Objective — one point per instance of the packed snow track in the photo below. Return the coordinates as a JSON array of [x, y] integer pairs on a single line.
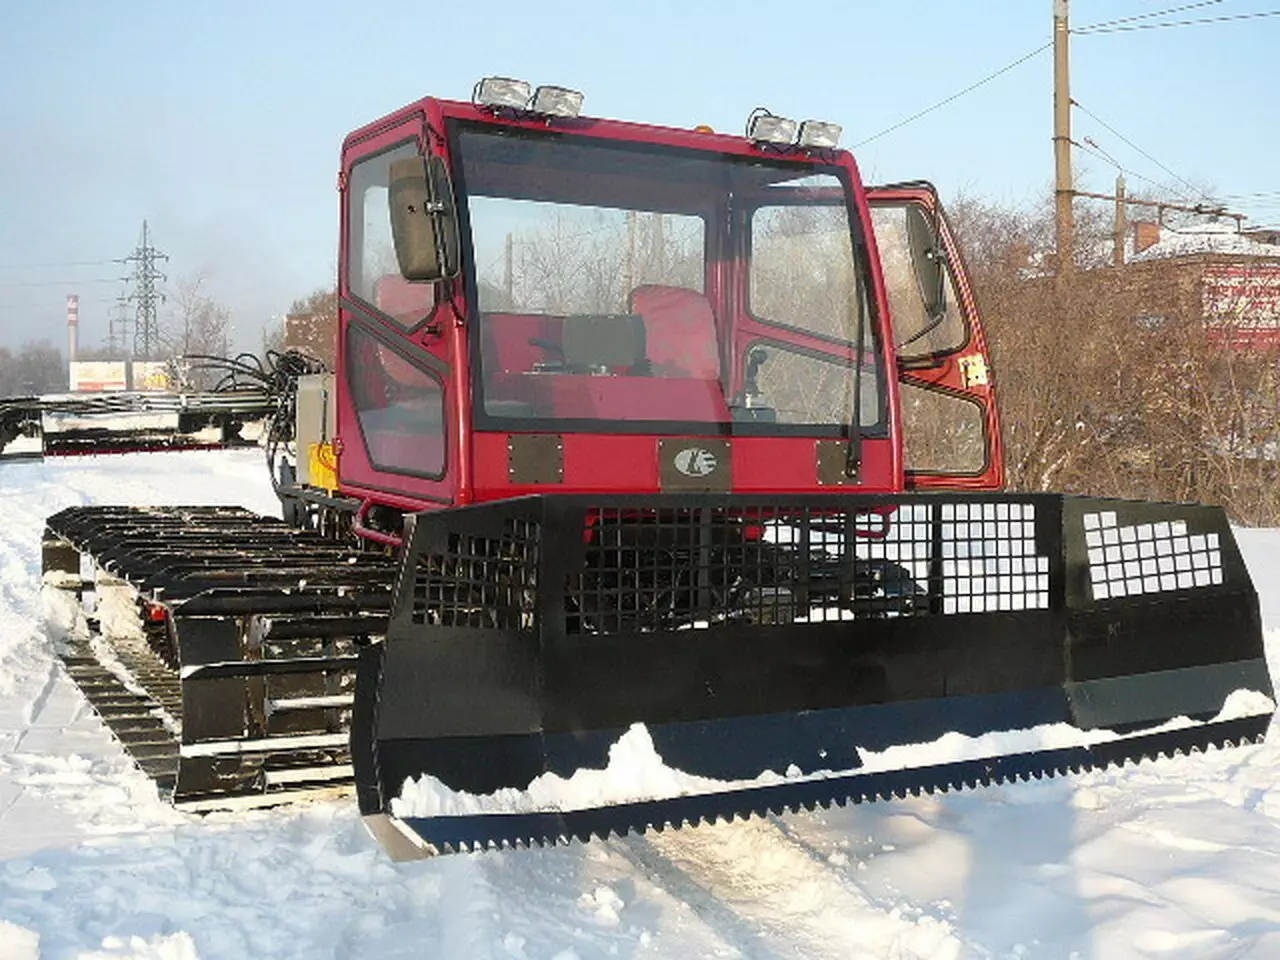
[[1176, 857]]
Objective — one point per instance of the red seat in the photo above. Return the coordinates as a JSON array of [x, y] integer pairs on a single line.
[[504, 340], [406, 302], [680, 331]]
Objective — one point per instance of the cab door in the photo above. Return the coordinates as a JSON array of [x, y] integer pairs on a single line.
[[949, 419], [397, 352]]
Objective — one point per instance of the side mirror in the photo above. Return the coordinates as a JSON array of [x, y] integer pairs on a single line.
[[927, 260], [413, 228], [424, 222]]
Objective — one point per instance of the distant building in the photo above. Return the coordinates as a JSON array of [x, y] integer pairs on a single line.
[[1228, 280]]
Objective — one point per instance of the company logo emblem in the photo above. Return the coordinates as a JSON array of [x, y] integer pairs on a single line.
[[695, 462]]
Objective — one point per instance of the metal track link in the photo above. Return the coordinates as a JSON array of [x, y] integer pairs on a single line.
[[143, 723], [237, 690]]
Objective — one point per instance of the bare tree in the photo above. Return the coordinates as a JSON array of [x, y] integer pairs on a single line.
[[38, 367], [311, 325], [590, 260], [200, 325], [273, 336], [1119, 382]]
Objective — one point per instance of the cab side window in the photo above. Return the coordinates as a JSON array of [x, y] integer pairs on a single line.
[[917, 334], [399, 404], [373, 274]]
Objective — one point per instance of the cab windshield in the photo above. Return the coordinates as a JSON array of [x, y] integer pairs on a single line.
[[624, 287]]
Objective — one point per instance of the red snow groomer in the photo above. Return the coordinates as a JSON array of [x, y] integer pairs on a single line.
[[662, 427]]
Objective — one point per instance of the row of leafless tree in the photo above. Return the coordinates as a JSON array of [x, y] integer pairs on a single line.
[[35, 368], [1113, 384], [193, 321]]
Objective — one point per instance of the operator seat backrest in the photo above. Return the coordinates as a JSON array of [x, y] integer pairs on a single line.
[[681, 331], [616, 342], [407, 302], [504, 340]]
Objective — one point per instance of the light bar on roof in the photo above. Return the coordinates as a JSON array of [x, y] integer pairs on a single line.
[[819, 133], [499, 92], [556, 102], [764, 127]]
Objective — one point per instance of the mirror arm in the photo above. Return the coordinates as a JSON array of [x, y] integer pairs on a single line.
[[924, 331], [928, 362]]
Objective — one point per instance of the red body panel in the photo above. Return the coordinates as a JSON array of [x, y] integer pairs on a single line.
[[595, 463]]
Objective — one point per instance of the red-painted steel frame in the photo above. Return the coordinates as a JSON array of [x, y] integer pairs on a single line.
[[476, 462]]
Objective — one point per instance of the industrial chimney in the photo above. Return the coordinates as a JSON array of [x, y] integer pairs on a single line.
[[73, 325]]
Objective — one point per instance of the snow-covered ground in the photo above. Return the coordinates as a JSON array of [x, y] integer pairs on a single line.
[[1178, 858]]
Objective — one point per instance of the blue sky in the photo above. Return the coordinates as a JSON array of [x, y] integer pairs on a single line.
[[220, 122]]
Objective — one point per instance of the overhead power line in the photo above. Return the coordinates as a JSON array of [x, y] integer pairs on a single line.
[[1088, 146], [1196, 191], [1147, 16], [56, 263], [1091, 146], [1175, 23], [1094, 147], [955, 96], [58, 283], [52, 305]]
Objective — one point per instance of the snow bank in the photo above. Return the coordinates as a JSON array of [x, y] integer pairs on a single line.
[[635, 772], [1219, 238]]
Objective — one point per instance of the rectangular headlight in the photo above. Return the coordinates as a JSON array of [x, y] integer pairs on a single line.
[[766, 128], [556, 102], [502, 92], [818, 133]]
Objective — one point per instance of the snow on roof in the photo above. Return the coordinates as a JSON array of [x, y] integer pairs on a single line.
[[1221, 238]]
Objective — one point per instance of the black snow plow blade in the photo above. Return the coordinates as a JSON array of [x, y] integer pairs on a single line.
[[780, 646]]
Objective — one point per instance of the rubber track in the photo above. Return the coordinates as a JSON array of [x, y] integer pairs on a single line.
[[223, 563], [455, 834]]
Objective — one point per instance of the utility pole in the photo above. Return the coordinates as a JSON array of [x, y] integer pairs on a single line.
[[1122, 222], [145, 296], [1062, 138]]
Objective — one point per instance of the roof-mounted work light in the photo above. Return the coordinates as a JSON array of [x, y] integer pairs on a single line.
[[502, 92], [764, 127], [819, 134], [556, 102]]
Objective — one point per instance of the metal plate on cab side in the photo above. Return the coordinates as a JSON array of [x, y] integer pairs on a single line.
[[695, 464], [833, 464], [535, 458]]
